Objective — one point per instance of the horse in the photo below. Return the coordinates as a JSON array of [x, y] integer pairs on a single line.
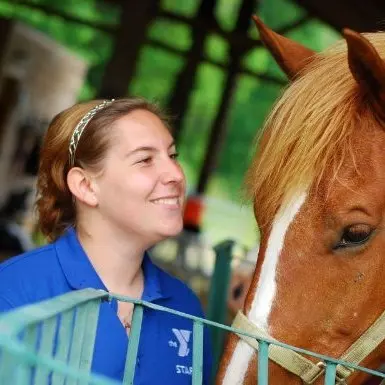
[[317, 182]]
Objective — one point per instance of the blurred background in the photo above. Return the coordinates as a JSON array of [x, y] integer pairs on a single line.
[[200, 59]]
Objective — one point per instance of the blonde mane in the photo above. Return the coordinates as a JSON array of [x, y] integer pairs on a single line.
[[309, 130]]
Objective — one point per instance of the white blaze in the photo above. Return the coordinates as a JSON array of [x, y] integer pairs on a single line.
[[264, 295], [265, 292], [239, 363]]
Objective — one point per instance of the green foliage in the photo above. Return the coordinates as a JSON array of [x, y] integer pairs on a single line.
[[279, 13], [182, 7], [226, 12], [216, 49], [155, 85], [88, 10], [204, 103], [178, 35], [252, 101], [315, 35]]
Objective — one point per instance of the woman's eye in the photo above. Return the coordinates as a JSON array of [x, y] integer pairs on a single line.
[[175, 155], [354, 235], [146, 160]]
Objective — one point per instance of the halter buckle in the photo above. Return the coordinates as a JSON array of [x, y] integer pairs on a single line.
[[339, 380], [341, 376], [315, 374]]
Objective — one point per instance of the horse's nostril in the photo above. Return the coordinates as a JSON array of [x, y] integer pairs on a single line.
[[238, 290]]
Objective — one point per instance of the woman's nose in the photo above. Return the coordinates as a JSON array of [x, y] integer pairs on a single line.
[[172, 172]]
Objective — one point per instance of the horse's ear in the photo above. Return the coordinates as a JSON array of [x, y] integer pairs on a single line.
[[367, 68], [290, 55]]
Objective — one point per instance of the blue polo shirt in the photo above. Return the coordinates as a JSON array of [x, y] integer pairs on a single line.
[[165, 347]]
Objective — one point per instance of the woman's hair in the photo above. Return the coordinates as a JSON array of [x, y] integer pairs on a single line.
[[55, 204]]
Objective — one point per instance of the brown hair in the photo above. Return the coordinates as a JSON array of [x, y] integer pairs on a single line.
[[55, 208]]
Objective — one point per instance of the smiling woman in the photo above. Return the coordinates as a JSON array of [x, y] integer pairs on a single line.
[[110, 187]]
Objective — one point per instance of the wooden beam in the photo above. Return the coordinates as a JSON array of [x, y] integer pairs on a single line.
[[10, 100], [223, 66], [219, 128], [362, 16], [5, 33], [233, 37], [184, 82], [136, 16]]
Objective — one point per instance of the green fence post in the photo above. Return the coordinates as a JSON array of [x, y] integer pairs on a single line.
[[263, 363], [219, 288], [330, 375], [133, 345], [197, 373]]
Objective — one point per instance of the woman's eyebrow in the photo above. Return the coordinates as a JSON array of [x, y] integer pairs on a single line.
[[140, 149], [147, 148]]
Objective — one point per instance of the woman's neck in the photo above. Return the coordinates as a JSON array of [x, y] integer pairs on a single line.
[[116, 259]]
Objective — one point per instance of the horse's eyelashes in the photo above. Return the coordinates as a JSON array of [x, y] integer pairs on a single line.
[[354, 235]]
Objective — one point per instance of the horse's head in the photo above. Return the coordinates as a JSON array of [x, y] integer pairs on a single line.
[[318, 186]]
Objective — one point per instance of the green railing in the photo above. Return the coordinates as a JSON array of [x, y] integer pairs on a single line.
[[28, 352], [53, 341]]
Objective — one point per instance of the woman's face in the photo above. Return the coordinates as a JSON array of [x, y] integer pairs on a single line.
[[141, 189]]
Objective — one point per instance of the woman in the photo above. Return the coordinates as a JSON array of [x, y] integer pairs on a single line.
[[110, 187]]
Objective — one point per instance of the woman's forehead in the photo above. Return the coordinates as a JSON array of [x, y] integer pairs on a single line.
[[141, 129]]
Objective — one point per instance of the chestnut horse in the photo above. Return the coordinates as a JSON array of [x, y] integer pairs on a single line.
[[318, 186]]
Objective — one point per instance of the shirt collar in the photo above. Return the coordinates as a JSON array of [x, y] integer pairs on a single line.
[[80, 273]]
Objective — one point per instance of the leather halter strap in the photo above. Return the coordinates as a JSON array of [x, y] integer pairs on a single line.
[[307, 370]]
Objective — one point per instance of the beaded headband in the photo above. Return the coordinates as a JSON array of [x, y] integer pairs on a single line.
[[81, 126]]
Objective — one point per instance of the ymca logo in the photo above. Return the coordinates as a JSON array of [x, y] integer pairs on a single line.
[[183, 338]]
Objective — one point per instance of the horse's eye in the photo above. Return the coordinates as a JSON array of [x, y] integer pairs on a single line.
[[354, 235]]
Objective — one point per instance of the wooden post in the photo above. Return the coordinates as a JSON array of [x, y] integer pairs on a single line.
[[9, 119], [185, 81], [5, 31], [130, 37], [219, 128]]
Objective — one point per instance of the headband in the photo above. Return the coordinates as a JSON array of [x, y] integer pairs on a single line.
[[78, 131]]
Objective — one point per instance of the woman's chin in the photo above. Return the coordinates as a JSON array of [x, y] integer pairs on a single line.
[[171, 230]]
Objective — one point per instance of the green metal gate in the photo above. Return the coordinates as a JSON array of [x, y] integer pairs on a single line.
[[73, 319]]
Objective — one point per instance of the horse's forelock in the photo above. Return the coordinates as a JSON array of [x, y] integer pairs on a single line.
[[308, 134]]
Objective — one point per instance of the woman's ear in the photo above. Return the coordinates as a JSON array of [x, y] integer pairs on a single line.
[[81, 186]]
